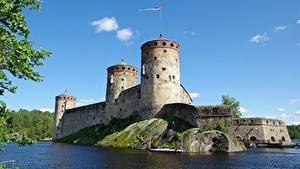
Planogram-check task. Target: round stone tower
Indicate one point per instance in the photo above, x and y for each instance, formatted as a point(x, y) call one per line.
point(120, 77)
point(160, 75)
point(63, 102)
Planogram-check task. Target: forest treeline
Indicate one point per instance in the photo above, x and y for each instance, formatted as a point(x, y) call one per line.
point(294, 131)
point(34, 124)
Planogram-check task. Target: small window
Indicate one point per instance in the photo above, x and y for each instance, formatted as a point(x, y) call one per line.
point(170, 78)
point(155, 43)
point(133, 69)
point(147, 77)
point(157, 76)
point(122, 79)
point(122, 87)
point(177, 46)
point(123, 68)
point(124, 73)
point(165, 51)
point(173, 77)
point(164, 43)
point(129, 68)
point(94, 118)
point(172, 44)
point(120, 110)
point(117, 68)
point(155, 58)
point(163, 69)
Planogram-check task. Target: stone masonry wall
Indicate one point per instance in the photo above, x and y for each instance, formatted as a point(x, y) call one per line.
point(82, 117)
point(262, 130)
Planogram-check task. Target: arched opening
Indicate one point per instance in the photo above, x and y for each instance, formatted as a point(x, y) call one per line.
point(272, 139)
point(282, 138)
point(214, 140)
point(253, 139)
point(239, 138)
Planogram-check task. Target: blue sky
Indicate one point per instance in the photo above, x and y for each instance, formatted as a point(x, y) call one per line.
point(249, 50)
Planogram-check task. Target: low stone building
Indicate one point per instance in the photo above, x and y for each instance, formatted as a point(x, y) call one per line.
point(159, 94)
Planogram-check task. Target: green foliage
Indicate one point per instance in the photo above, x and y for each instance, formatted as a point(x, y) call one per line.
point(30, 125)
point(294, 131)
point(233, 104)
point(91, 135)
point(17, 56)
point(220, 125)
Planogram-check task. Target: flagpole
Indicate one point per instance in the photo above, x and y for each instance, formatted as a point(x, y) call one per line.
point(160, 20)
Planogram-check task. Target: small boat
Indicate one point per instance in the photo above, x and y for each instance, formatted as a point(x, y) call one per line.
point(166, 150)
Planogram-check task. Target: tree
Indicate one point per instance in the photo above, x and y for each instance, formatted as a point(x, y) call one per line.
point(17, 55)
point(233, 104)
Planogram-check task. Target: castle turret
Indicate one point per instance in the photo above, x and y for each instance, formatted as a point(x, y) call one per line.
point(160, 75)
point(120, 77)
point(63, 102)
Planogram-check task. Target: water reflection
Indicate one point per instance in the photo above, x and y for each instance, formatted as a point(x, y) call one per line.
point(54, 155)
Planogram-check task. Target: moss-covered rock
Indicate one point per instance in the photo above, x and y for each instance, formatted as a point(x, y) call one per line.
point(195, 140)
point(142, 135)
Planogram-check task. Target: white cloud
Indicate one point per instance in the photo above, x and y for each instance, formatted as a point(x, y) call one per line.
point(259, 38)
point(124, 34)
point(294, 101)
point(271, 117)
point(280, 28)
point(106, 24)
point(283, 115)
point(296, 123)
point(298, 22)
point(280, 109)
point(190, 33)
point(194, 34)
point(46, 109)
point(83, 102)
point(243, 109)
point(298, 112)
point(194, 95)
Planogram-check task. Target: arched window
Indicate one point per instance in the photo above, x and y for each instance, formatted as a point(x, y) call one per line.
point(272, 139)
point(282, 138)
point(253, 139)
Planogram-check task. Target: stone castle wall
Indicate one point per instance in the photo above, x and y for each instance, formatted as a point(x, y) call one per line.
point(82, 117)
point(261, 130)
point(195, 115)
point(126, 104)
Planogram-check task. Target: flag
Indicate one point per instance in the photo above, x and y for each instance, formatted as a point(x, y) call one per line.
point(151, 9)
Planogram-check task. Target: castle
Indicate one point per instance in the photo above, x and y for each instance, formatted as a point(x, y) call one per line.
point(160, 93)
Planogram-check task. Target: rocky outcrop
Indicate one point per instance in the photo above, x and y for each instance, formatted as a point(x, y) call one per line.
point(141, 135)
point(194, 140)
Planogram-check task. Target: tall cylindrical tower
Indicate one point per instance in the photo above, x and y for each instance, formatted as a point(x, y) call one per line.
point(160, 75)
point(63, 102)
point(120, 77)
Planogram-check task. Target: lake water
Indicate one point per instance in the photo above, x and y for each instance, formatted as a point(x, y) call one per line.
point(48, 155)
